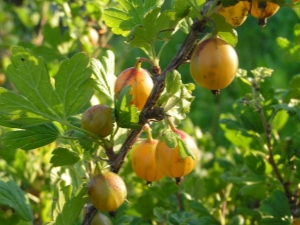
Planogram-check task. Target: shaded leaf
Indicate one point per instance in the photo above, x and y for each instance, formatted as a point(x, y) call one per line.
point(252, 121)
point(63, 157)
point(276, 206)
point(12, 196)
point(255, 163)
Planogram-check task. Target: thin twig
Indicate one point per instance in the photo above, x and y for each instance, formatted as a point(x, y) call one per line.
point(268, 131)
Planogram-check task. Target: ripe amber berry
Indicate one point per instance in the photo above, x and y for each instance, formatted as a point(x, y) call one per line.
point(296, 222)
point(214, 64)
point(101, 219)
point(2, 79)
point(107, 191)
point(141, 84)
point(143, 161)
point(169, 160)
point(98, 120)
point(235, 15)
point(263, 10)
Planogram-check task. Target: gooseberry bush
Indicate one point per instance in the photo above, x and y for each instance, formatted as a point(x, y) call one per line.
point(147, 112)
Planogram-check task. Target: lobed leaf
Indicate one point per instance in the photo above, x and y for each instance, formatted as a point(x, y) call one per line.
point(127, 115)
point(64, 157)
point(177, 98)
point(123, 21)
point(276, 206)
point(104, 71)
point(12, 196)
point(32, 137)
point(184, 150)
point(224, 29)
point(144, 22)
point(170, 138)
point(30, 77)
point(73, 85)
point(68, 207)
point(173, 82)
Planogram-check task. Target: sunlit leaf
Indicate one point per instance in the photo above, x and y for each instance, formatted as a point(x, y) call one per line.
point(104, 71)
point(69, 206)
point(31, 137)
point(73, 84)
point(127, 115)
point(30, 77)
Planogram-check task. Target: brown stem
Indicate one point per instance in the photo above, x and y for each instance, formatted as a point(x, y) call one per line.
point(179, 58)
point(110, 154)
point(268, 131)
point(90, 213)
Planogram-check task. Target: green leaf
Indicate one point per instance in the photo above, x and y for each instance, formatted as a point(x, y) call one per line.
point(250, 189)
point(63, 157)
point(281, 118)
point(170, 138)
point(200, 208)
point(182, 8)
point(294, 145)
point(127, 115)
point(123, 21)
point(30, 77)
point(255, 163)
point(160, 214)
point(252, 121)
point(104, 71)
point(224, 29)
point(12, 196)
point(68, 208)
point(276, 206)
point(226, 3)
point(83, 139)
point(74, 85)
point(178, 97)
point(230, 124)
point(290, 110)
point(16, 114)
point(156, 25)
point(295, 82)
point(209, 220)
point(144, 21)
point(184, 149)
point(31, 137)
point(173, 82)
point(38, 101)
point(52, 35)
point(237, 136)
point(274, 221)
